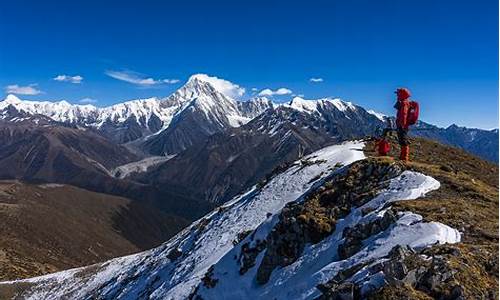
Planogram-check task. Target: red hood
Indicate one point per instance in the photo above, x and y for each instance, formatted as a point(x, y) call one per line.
point(403, 94)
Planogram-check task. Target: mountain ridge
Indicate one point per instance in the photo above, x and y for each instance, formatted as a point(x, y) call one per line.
point(203, 106)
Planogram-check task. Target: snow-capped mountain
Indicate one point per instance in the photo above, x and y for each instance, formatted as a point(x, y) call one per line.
point(238, 244)
point(195, 111)
point(206, 105)
point(142, 116)
point(202, 111)
point(61, 111)
point(317, 105)
point(130, 120)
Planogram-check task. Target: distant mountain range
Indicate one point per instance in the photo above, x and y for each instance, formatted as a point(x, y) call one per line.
point(166, 126)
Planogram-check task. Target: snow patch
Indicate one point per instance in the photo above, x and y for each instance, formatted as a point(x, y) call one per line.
point(314, 106)
point(379, 116)
point(139, 166)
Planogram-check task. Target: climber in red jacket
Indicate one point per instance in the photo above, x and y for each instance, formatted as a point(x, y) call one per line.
point(402, 121)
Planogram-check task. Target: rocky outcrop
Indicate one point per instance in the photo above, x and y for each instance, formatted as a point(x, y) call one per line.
point(436, 273)
point(342, 286)
point(354, 236)
point(249, 252)
point(208, 279)
point(314, 219)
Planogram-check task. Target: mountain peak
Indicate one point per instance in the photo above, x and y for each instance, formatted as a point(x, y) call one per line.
point(64, 102)
point(11, 98)
point(310, 106)
point(453, 127)
point(225, 87)
point(199, 77)
point(302, 104)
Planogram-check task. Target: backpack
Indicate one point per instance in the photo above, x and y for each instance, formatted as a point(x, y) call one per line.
point(413, 113)
point(383, 147)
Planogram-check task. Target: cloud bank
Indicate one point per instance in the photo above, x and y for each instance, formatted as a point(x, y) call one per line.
point(67, 78)
point(280, 91)
point(87, 100)
point(22, 90)
point(138, 79)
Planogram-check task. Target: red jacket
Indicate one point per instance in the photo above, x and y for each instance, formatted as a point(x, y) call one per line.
point(403, 106)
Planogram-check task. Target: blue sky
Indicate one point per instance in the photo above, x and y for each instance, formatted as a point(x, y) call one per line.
point(446, 52)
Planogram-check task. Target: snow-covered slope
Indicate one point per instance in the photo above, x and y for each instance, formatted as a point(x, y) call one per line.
point(316, 105)
point(205, 258)
point(201, 95)
point(380, 116)
point(140, 166)
point(61, 111)
point(197, 247)
point(321, 262)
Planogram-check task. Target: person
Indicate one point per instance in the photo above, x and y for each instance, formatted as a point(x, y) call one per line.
point(402, 123)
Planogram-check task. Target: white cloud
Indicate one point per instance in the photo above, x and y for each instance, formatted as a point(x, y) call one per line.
point(23, 90)
point(67, 78)
point(171, 81)
point(254, 89)
point(280, 91)
point(225, 87)
point(138, 79)
point(87, 100)
point(318, 79)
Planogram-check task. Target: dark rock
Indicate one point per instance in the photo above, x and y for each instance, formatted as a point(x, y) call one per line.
point(349, 248)
point(457, 293)
point(338, 291)
point(241, 236)
point(395, 270)
point(174, 254)
point(492, 265)
point(249, 254)
point(208, 280)
point(446, 168)
point(354, 236)
point(400, 252)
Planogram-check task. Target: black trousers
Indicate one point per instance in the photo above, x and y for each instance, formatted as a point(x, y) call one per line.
point(403, 137)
